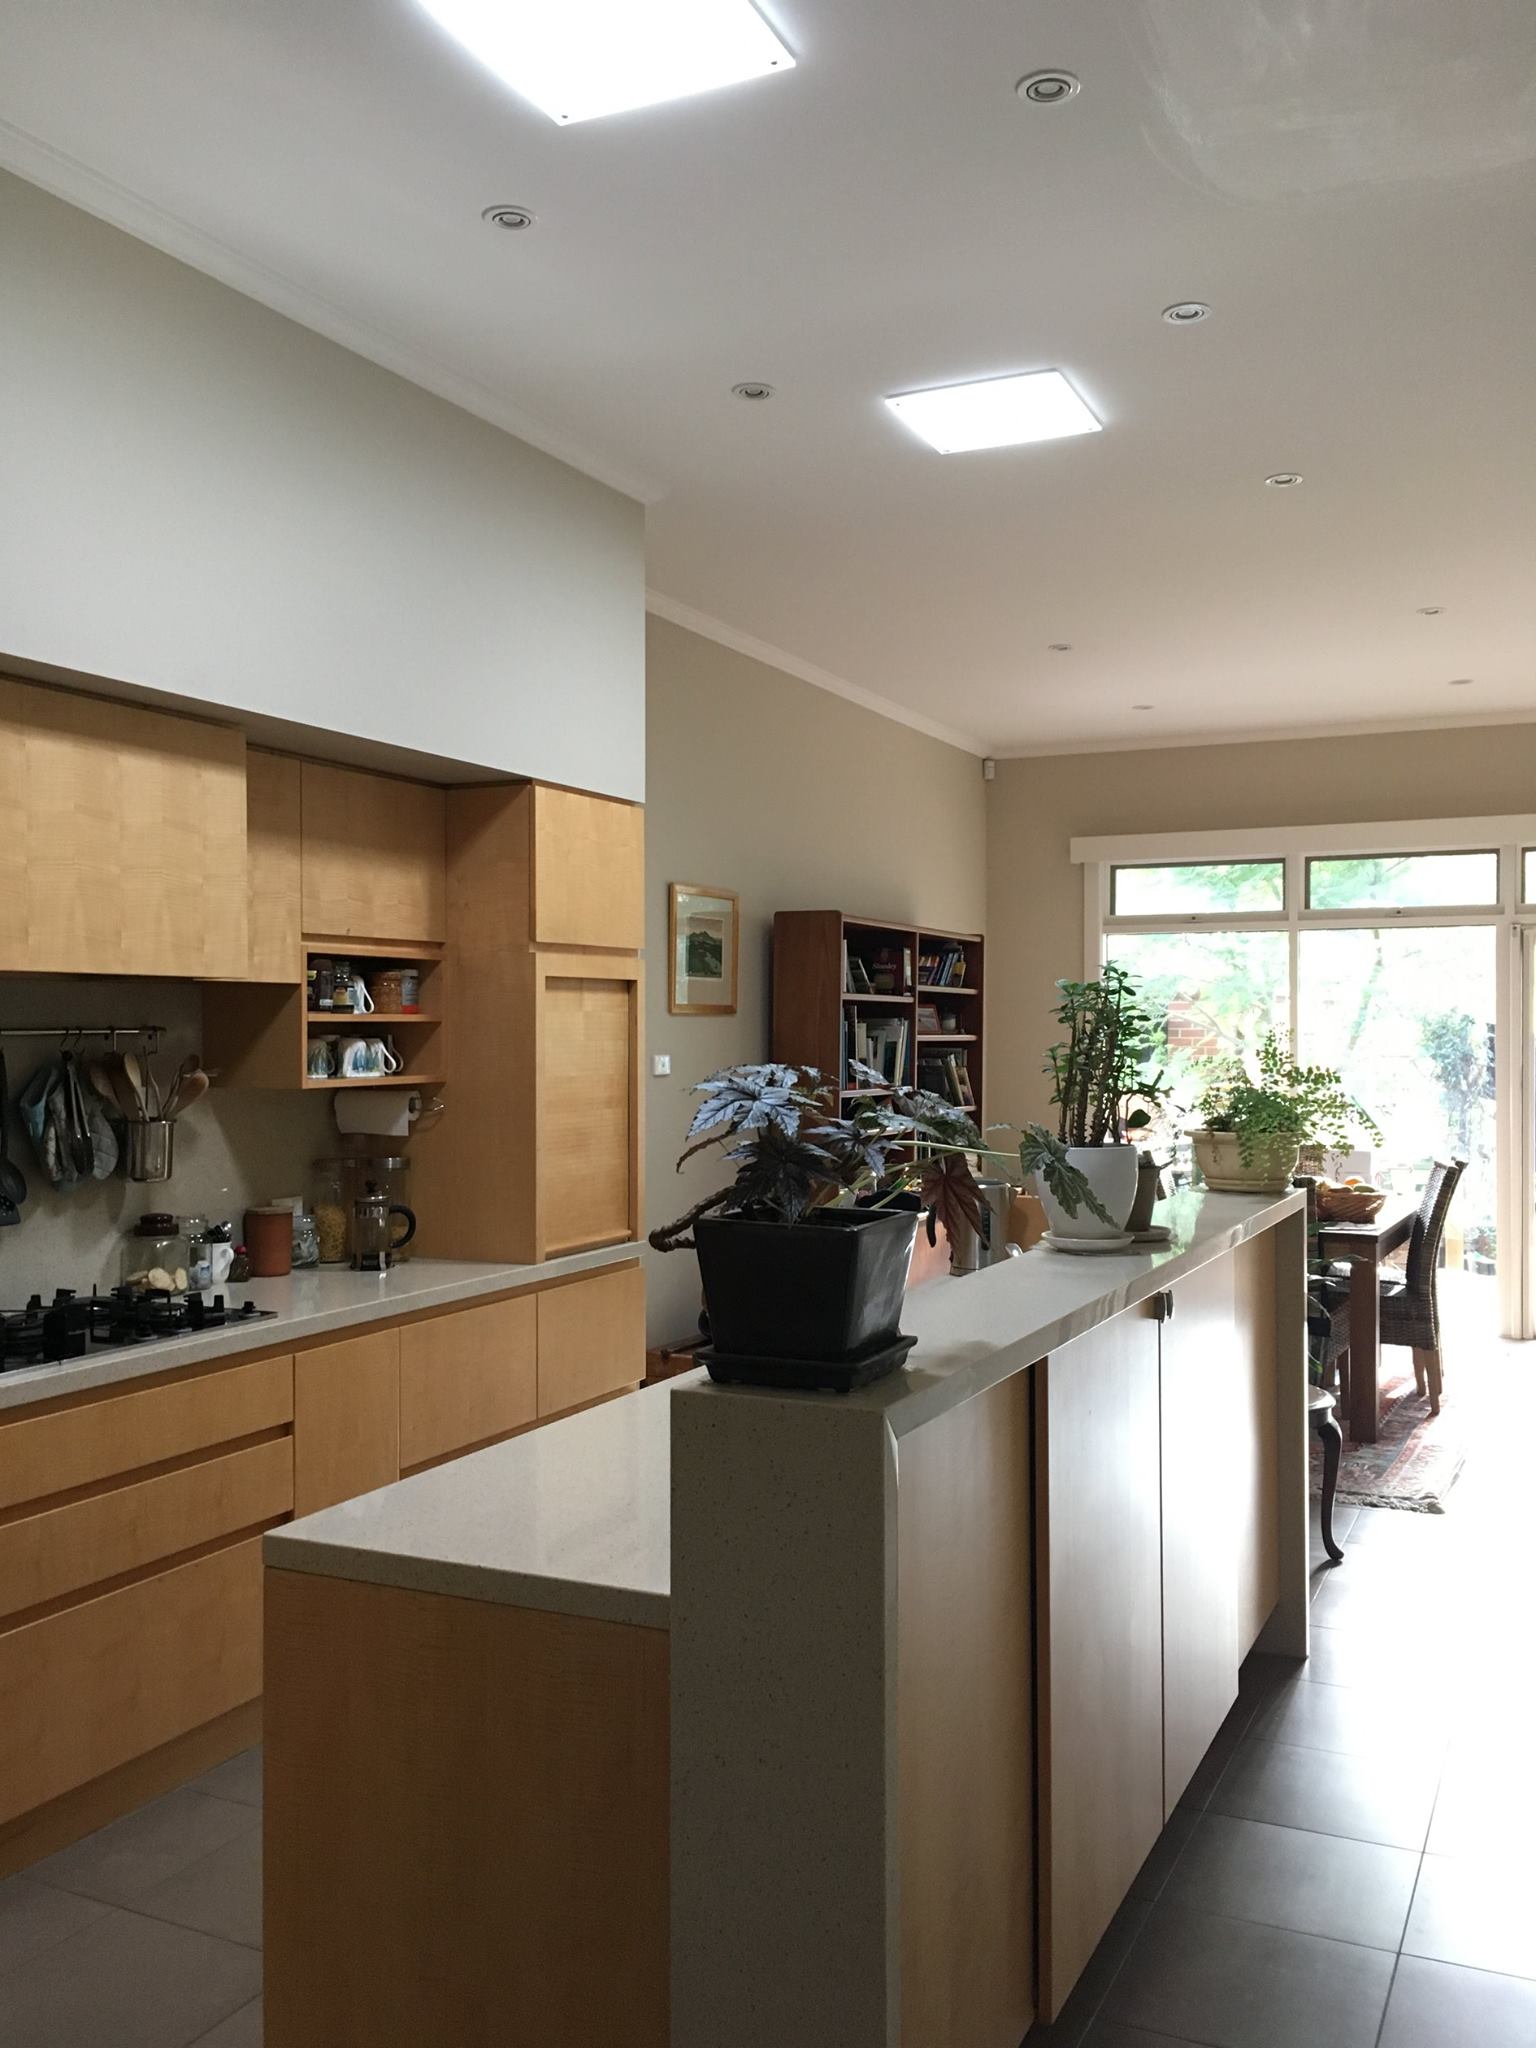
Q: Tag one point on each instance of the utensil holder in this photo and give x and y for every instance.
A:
(151, 1149)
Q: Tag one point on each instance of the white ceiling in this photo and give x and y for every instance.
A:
(1351, 184)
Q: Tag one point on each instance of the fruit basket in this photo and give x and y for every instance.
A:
(1348, 1205)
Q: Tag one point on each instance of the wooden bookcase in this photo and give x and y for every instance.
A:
(817, 1015)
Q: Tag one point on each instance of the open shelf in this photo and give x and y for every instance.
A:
(406, 1080)
(946, 1037)
(331, 1018)
(926, 989)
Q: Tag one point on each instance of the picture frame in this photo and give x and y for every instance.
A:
(703, 950)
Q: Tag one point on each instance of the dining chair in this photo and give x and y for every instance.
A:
(1410, 1306)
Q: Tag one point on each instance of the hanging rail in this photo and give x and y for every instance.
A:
(150, 1033)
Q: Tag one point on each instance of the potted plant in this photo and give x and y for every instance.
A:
(804, 1254)
(1252, 1131)
(1104, 1091)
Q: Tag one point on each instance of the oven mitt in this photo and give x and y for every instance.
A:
(46, 1111)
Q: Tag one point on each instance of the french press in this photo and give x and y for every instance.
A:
(374, 1243)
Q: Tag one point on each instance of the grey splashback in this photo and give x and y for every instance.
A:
(233, 1148)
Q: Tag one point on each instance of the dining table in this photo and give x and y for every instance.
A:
(1365, 1246)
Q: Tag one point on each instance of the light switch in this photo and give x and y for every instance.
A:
(661, 1063)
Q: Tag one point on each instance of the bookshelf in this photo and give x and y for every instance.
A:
(920, 1017)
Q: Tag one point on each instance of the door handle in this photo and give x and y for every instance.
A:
(1162, 1306)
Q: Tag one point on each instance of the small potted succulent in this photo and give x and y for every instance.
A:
(1105, 1092)
(804, 1254)
(1252, 1130)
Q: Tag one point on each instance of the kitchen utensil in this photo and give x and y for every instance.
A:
(374, 1243)
(77, 1129)
(172, 1103)
(151, 1148)
(13, 1182)
(133, 1074)
(191, 1088)
(970, 1250)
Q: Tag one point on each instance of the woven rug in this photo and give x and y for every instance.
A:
(1414, 1462)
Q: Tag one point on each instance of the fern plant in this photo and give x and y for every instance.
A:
(1289, 1104)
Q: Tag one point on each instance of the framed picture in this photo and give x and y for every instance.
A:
(702, 951)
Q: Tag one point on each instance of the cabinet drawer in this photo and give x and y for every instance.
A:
(467, 1377)
(97, 1685)
(591, 1338)
(65, 1549)
(47, 1454)
(346, 1419)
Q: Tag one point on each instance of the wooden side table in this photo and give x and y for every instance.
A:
(1365, 1245)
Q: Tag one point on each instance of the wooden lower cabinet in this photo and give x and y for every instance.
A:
(466, 1378)
(346, 1419)
(591, 1338)
(1256, 1468)
(1099, 1635)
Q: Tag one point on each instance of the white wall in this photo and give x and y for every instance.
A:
(203, 497)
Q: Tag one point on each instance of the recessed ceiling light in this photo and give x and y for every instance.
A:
(579, 59)
(1143, 707)
(999, 412)
(1430, 611)
(1061, 647)
(1460, 683)
(1282, 480)
(512, 218)
(1186, 313)
(1048, 88)
(753, 389)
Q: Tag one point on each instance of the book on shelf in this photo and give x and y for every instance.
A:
(944, 967)
(856, 981)
(947, 1075)
(881, 1043)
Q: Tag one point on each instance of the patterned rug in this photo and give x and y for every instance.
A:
(1414, 1462)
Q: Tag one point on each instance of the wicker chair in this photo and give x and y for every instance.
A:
(1410, 1307)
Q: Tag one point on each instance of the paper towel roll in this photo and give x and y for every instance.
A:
(378, 1112)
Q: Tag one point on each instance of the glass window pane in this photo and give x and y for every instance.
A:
(1407, 1016)
(1187, 886)
(1528, 888)
(1221, 992)
(1402, 881)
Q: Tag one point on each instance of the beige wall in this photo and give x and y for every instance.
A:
(798, 800)
(1035, 808)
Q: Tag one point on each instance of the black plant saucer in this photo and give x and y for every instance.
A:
(808, 1375)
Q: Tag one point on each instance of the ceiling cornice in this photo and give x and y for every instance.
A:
(692, 621)
(69, 179)
(1362, 729)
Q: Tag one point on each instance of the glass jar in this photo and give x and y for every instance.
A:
(154, 1256)
(306, 1237)
(331, 1203)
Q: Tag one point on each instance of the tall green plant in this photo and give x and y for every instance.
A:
(1102, 1067)
(1288, 1104)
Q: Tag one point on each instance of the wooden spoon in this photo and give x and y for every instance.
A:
(191, 1088)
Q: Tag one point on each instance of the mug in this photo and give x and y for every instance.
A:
(322, 1058)
(357, 1059)
(362, 1002)
(382, 1052)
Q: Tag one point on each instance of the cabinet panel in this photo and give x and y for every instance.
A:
(1201, 1368)
(1256, 1437)
(66, 1549)
(588, 1144)
(92, 1687)
(50, 1454)
(467, 1377)
(346, 1419)
(124, 842)
(1100, 1636)
(373, 855)
(588, 871)
(275, 866)
(965, 1724)
(591, 1338)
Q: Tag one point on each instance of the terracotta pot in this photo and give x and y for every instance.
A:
(1268, 1170)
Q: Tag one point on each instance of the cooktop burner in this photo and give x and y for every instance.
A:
(72, 1324)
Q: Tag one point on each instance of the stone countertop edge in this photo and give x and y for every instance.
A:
(975, 1332)
(310, 1303)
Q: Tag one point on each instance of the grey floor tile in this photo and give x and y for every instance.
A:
(1170, 1844)
(1071, 2026)
(1364, 1798)
(241, 2030)
(34, 1916)
(126, 1982)
(122, 1861)
(1351, 1720)
(238, 1779)
(219, 1894)
(1479, 1911)
(1236, 1984)
(1110, 2034)
(1384, 1660)
(1244, 1712)
(1312, 1884)
(1486, 1805)
(1436, 2005)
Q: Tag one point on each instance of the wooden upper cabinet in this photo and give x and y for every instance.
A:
(373, 856)
(588, 870)
(123, 849)
(272, 810)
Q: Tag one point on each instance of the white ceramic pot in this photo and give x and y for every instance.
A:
(1110, 1170)
(1268, 1171)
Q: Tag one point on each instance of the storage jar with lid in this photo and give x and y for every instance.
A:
(306, 1241)
(331, 1198)
(154, 1255)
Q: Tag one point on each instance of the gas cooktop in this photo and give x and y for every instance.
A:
(73, 1324)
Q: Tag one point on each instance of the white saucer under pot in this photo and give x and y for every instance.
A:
(1088, 1247)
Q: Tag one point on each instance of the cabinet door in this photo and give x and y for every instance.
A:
(374, 862)
(346, 1419)
(272, 846)
(1256, 1436)
(467, 1377)
(123, 849)
(588, 1110)
(591, 1338)
(588, 871)
(1200, 1389)
(1099, 1635)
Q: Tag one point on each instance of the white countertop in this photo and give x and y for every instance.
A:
(307, 1304)
(575, 1516)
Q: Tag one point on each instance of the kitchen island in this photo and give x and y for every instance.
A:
(719, 1715)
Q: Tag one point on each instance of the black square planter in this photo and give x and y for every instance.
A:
(826, 1289)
